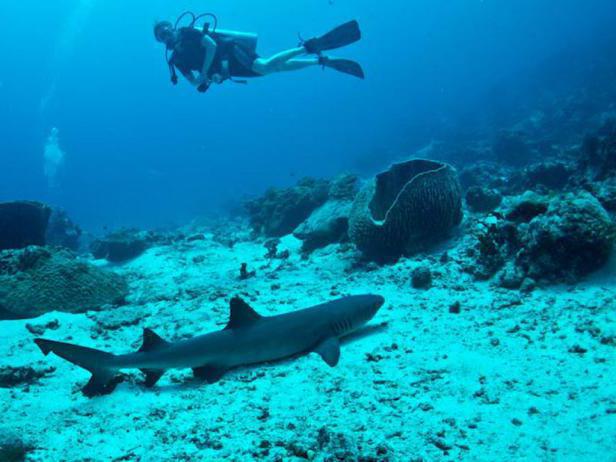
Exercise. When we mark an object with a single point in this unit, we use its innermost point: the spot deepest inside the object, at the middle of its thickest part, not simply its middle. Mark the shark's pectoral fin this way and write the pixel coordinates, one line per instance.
(210, 373)
(102, 382)
(152, 376)
(329, 350)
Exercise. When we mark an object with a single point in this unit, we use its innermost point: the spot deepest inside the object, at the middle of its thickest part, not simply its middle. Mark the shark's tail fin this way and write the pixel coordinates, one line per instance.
(104, 378)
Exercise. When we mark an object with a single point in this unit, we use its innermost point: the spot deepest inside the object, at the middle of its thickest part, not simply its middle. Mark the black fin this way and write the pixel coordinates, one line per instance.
(343, 35)
(151, 341)
(211, 374)
(241, 314)
(152, 376)
(101, 383)
(329, 350)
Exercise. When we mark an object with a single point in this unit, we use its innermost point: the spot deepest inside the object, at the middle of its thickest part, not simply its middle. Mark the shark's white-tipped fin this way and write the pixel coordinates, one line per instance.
(241, 314)
(329, 350)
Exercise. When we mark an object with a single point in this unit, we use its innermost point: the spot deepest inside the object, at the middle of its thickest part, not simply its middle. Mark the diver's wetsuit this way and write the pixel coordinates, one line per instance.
(189, 55)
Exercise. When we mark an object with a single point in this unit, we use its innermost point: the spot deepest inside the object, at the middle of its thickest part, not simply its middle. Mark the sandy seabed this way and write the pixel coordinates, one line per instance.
(512, 376)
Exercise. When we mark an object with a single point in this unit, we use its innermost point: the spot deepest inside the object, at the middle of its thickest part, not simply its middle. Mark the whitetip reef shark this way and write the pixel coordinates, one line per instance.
(248, 338)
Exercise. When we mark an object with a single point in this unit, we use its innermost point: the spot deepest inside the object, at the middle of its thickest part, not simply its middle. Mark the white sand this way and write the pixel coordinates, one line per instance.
(495, 382)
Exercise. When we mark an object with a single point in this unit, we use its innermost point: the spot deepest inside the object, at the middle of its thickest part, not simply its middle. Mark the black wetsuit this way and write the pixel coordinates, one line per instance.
(189, 54)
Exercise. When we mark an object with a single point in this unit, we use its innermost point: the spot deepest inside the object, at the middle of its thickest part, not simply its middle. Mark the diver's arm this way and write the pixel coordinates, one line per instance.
(191, 78)
(210, 52)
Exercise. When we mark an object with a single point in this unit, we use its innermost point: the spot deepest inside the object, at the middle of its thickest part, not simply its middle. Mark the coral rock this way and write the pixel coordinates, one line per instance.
(326, 225)
(280, 211)
(482, 200)
(23, 223)
(572, 239)
(404, 208)
(36, 280)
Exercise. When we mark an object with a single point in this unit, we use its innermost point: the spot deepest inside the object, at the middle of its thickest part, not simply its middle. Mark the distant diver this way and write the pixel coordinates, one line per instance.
(207, 54)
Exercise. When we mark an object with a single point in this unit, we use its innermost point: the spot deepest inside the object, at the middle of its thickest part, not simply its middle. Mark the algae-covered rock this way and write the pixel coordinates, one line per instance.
(573, 238)
(482, 200)
(36, 280)
(411, 204)
(326, 225)
(279, 211)
(23, 223)
(121, 245)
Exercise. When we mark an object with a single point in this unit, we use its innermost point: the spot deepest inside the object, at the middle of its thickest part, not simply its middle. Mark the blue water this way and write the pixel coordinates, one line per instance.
(139, 151)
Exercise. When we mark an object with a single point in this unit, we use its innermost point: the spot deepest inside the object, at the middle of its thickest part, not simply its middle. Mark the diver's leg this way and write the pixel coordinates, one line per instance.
(276, 63)
(296, 64)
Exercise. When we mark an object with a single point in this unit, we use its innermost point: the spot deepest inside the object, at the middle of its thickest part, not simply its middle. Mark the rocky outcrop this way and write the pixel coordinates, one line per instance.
(124, 244)
(36, 280)
(482, 199)
(62, 232)
(326, 225)
(561, 239)
(280, 210)
(23, 223)
(412, 204)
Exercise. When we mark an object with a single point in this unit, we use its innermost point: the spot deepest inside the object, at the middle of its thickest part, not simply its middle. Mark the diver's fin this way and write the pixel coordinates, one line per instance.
(211, 374)
(241, 314)
(152, 376)
(329, 350)
(343, 65)
(343, 35)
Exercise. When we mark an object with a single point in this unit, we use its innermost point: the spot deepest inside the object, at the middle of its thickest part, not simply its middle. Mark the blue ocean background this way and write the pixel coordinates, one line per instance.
(144, 153)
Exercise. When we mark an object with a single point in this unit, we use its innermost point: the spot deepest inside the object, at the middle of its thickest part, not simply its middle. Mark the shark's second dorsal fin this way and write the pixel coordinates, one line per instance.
(151, 341)
(241, 314)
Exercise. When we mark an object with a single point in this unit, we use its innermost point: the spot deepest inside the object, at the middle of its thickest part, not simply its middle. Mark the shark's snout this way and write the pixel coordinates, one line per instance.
(377, 303)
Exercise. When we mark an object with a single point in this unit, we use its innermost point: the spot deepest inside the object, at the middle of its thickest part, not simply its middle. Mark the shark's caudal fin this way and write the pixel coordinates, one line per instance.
(152, 342)
(104, 379)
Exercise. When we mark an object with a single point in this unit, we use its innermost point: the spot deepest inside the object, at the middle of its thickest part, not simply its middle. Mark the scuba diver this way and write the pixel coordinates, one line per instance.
(207, 54)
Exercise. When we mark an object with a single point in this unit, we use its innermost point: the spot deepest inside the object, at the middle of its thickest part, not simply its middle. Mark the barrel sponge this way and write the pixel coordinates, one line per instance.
(404, 208)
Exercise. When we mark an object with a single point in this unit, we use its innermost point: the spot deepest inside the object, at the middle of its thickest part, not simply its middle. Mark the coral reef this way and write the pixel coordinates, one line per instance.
(540, 239)
(482, 199)
(411, 205)
(122, 245)
(36, 280)
(23, 223)
(279, 211)
(572, 239)
(512, 148)
(326, 225)
(61, 231)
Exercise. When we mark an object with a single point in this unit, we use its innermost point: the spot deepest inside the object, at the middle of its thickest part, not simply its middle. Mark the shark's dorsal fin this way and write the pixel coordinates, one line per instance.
(151, 341)
(329, 350)
(241, 314)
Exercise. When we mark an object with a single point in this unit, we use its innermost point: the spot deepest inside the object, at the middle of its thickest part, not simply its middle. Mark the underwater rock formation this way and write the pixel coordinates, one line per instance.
(279, 211)
(482, 199)
(326, 225)
(120, 246)
(599, 152)
(412, 204)
(23, 223)
(512, 148)
(551, 240)
(572, 239)
(61, 231)
(36, 280)
(551, 175)
(12, 448)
